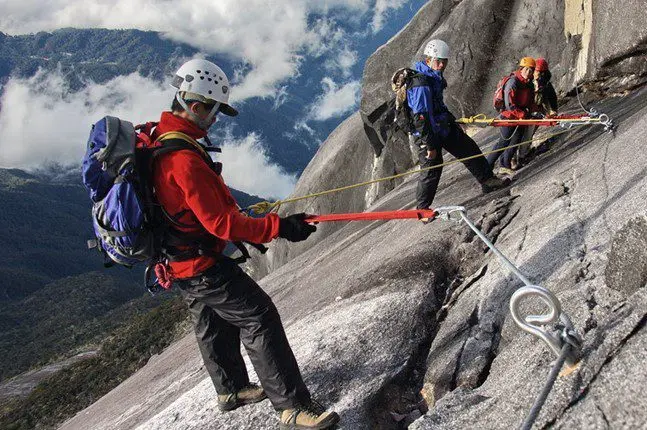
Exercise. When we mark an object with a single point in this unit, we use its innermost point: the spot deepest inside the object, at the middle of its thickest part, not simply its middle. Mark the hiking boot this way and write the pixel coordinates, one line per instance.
(493, 184)
(313, 417)
(505, 171)
(252, 393)
(425, 220)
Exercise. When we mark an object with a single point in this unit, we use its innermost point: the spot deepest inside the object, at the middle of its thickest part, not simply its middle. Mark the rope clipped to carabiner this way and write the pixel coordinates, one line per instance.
(566, 121)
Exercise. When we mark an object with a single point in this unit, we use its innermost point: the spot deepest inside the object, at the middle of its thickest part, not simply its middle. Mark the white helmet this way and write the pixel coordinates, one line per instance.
(436, 48)
(201, 80)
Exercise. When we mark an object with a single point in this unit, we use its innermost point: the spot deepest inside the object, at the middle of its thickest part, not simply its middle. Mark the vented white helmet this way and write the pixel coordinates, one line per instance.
(201, 80)
(436, 48)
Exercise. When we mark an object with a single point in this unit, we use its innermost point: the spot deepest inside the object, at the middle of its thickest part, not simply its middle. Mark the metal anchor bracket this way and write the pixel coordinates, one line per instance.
(534, 324)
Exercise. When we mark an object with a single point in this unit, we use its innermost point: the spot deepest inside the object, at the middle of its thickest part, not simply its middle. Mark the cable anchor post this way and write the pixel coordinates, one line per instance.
(564, 331)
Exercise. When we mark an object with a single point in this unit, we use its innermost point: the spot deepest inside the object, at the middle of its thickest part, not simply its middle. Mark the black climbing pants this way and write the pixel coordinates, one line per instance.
(460, 145)
(509, 136)
(228, 307)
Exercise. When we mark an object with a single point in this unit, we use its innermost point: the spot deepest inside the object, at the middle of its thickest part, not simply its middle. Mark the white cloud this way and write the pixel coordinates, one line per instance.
(382, 8)
(280, 97)
(269, 36)
(343, 62)
(42, 122)
(246, 167)
(336, 100)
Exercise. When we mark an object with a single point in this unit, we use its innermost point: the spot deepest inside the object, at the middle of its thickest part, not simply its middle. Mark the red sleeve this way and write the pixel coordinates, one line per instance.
(209, 199)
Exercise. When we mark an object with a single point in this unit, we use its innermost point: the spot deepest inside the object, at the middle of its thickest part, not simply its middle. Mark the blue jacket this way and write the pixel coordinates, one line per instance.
(425, 98)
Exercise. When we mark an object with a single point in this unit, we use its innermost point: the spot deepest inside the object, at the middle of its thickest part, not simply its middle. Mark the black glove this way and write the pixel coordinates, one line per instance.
(294, 228)
(536, 115)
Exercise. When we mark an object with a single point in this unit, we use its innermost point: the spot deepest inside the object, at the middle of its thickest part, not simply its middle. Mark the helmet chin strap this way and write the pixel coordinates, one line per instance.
(202, 123)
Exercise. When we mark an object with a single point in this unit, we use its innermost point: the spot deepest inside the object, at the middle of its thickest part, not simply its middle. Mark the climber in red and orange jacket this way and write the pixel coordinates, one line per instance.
(519, 98)
(228, 307)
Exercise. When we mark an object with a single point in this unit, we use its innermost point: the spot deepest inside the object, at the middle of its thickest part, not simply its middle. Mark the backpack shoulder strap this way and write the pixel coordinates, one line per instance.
(508, 78)
(177, 135)
(176, 141)
(418, 80)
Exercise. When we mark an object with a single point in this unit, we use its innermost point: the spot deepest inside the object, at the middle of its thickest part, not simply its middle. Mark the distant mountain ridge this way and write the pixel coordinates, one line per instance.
(45, 225)
(52, 297)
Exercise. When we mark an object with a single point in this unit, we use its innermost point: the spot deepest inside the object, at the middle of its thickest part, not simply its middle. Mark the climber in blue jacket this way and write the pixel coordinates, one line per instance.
(435, 127)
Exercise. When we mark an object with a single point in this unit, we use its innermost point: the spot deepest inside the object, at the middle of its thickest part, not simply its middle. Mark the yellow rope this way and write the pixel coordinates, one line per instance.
(265, 207)
(479, 119)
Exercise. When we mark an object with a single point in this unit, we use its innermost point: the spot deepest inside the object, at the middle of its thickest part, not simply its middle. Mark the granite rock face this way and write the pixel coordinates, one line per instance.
(400, 323)
(626, 270)
(584, 241)
(486, 37)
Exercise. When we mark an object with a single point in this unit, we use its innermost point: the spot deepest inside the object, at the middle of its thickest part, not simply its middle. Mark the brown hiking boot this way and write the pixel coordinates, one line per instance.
(494, 183)
(425, 220)
(252, 393)
(313, 417)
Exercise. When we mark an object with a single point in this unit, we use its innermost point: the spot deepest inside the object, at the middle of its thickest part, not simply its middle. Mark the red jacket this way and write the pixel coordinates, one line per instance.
(184, 182)
(519, 97)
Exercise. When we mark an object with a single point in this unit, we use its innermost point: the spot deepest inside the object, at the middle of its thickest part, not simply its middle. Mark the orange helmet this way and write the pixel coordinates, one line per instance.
(527, 62)
(541, 65)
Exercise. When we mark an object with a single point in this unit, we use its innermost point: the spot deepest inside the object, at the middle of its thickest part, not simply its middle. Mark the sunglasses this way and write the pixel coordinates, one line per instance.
(206, 106)
(209, 107)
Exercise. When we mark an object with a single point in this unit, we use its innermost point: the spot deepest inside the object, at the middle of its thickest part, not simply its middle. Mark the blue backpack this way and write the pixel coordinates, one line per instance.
(122, 217)
(130, 227)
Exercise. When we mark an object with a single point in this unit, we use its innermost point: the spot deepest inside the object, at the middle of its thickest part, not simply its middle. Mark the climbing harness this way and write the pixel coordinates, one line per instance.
(562, 339)
(266, 207)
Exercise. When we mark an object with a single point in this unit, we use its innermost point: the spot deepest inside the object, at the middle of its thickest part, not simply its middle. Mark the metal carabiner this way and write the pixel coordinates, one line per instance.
(446, 212)
(606, 122)
(533, 324)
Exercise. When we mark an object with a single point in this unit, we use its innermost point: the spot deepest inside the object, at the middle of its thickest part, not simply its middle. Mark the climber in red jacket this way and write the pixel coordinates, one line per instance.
(227, 305)
(519, 98)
